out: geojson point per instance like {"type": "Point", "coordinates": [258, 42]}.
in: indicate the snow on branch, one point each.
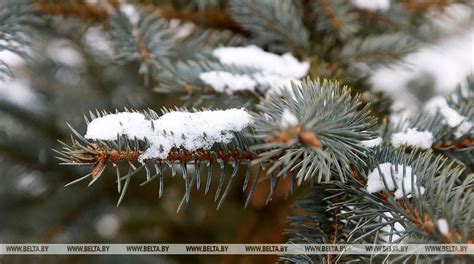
{"type": "Point", "coordinates": [396, 227]}
{"type": "Point", "coordinates": [414, 138]}
{"type": "Point", "coordinates": [451, 116]}
{"type": "Point", "coordinates": [449, 62]}
{"type": "Point", "coordinates": [371, 143]}
{"type": "Point", "coordinates": [395, 176]}
{"type": "Point", "coordinates": [288, 119]}
{"type": "Point", "coordinates": [441, 65]}
{"type": "Point", "coordinates": [443, 226]}
{"type": "Point", "coordinates": [272, 71]}
{"type": "Point", "coordinates": [131, 13]}
{"type": "Point", "coordinates": [20, 92]}
{"type": "Point", "coordinates": [372, 5]}
{"type": "Point", "coordinates": [253, 56]}
{"type": "Point", "coordinates": [192, 131]}
{"type": "Point", "coordinates": [228, 82]}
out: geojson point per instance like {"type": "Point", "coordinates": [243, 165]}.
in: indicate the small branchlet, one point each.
{"type": "Point", "coordinates": [462, 144]}
{"type": "Point", "coordinates": [81, 9]}
{"type": "Point", "coordinates": [363, 217]}
{"type": "Point", "coordinates": [100, 154]}
{"type": "Point", "coordinates": [304, 136]}
{"type": "Point", "coordinates": [336, 18]}
{"type": "Point", "coordinates": [327, 134]}
{"type": "Point", "coordinates": [420, 211]}
{"type": "Point", "coordinates": [17, 18]}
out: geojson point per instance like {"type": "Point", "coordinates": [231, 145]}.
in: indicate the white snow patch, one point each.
{"type": "Point", "coordinates": [192, 131]}
{"type": "Point", "coordinates": [62, 52]}
{"type": "Point", "coordinates": [286, 87]}
{"type": "Point", "coordinates": [413, 137]}
{"type": "Point", "coordinates": [346, 214]}
{"type": "Point", "coordinates": [434, 104]}
{"type": "Point", "coordinates": [182, 30]}
{"type": "Point", "coordinates": [288, 119]}
{"type": "Point", "coordinates": [443, 226]}
{"type": "Point", "coordinates": [463, 129]}
{"type": "Point", "coordinates": [227, 82]}
{"type": "Point", "coordinates": [273, 72]}
{"type": "Point", "coordinates": [451, 116]}
{"type": "Point", "coordinates": [397, 227]}
{"type": "Point", "coordinates": [399, 116]}
{"type": "Point", "coordinates": [19, 92]}
{"type": "Point", "coordinates": [372, 5]}
{"type": "Point", "coordinates": [32, 184]}
{"type": "Point", "coordinates": [253, 56]}
{"type": "Point", "coordinates": [448, 61]}
{"type": "Point", "coordinates": [273, 83]}
{"type": "Point", "coordinates": [95, 38]}
{"type": "Point", "coordinates": [222, 81]}
{"type": "Point", "coordinates": [11, 59]}
{"type": "Point", "coordinates": [403, 177]}
{"type": "Point", "coordinates": [372, 142]}
{"type": "Point", "coordinates": [110, 126]}
{"type": "Point", "coordinates": [452, 19]}
{"type": "Point", "coordinates": [131, 12]}
{"type": "Point", "coordinates": [108, 226]}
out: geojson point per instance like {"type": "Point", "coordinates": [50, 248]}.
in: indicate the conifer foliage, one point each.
{"type": "Point", "coordinates": [368, 104]}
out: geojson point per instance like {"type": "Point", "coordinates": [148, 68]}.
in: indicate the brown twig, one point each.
{"type": "Point", "coordinates": [144, 51]}
{"type": "Point", "coordinates": [210, 17]}
{"type": "Point", "coordinates": [81, 9]}
{"type": "Point", "coordinates": [304, 136]}
{"type": "Point", "coordinates": [332, 237]}
{"type": "Point", "coordinates": [423, 5]}
{"type": "Point", "coordinates": [335, 22]}
{"type": "Point", "coordinates": [460, 144]}
{"type": "Point", "coordinates": [116, 156]}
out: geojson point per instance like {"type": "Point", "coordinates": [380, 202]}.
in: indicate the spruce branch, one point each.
{"type": "Point", "coordinates": [321, 224]}
{"type": "Point", "coordinates": [16, 21]}
{"type": "Point", "coordinates": [336, 19]}
{"type": "Point", "coordinates": [167, 53]}
{"type": "Point", "coordinates": [418, 213]}
{"type": "Point", "coordinates": [315, 130]}
{"type": "Point", "coordinates": [380, 217]}
{"type": "Point", "coordinates": [146, 40]}
{"type": "Point", "coordinates": [325, 137]}
{"type": "Point", "coordinates": [126, 152]}
{"type": "Point", "coordinates": [248, 71]}
{"type": "Point", "coordinates": [377, 49]}
{"type": "Point", "coordinates": [182, 77]}
{"type": "Point", "coordinates": [313, 227]}
{"type": "Point", "coordinates": [329, 135]}
{"type": "Point", "coordinates": [273, 24]}
{"type": "Point", "coordinates": [450, 121]}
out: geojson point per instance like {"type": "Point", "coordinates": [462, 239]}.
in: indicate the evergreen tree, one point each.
{"type": "Point", "coordinates": [361, 111]}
